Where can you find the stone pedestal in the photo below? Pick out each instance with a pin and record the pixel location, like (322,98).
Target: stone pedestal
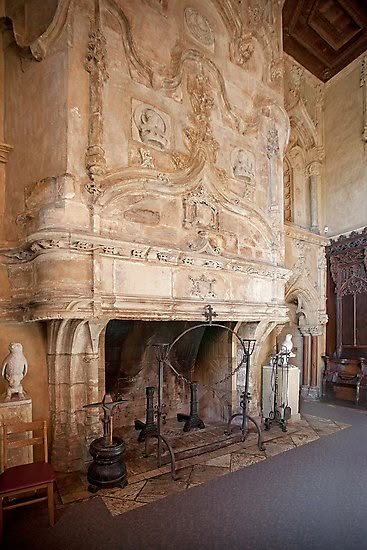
(16,410)
(288,390)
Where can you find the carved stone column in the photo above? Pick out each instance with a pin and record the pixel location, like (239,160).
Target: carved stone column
(313,170)
(314,359)
(306,361)
(73,360)
(314,389)
(310,383)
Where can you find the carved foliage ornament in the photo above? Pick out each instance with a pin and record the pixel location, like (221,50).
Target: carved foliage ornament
(243,48)
(288,194)
(202,101)
(95,64)
(96,56)
(199,27)
(272,143)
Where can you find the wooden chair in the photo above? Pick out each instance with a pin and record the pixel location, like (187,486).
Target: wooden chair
(18,480)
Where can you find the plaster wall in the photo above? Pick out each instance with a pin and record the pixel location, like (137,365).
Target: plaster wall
(345,159)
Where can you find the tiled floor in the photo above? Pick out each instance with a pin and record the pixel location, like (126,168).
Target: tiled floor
(147,483)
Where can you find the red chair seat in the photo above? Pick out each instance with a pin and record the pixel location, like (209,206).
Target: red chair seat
(26,476)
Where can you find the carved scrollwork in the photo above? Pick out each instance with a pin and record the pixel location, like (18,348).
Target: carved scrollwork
(349,272)
(205,241)
(199,27)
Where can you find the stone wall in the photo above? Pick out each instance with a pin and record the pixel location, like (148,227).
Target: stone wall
(345,146)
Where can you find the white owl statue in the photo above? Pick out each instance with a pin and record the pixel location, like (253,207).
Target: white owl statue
(286,347)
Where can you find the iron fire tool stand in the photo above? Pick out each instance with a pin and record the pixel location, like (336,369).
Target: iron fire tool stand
(248,347)
(108,468)
(280,412)
(192,420)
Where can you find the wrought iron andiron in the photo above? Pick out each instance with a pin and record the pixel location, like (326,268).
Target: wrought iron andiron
(248,347)
(192,420)
(149,427)
(108,468)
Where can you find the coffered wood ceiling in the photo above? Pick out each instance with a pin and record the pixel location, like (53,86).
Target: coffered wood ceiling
(325,35)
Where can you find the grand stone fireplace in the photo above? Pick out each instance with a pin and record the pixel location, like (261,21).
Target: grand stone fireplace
(163,195)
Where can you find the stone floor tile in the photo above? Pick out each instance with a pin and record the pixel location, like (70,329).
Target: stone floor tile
(342,425)
(202,473)
(156,489)
(254,450)
(130,492)
(244,459)
(304,437)
(182,473)
(278,446)
(116,506)
(223,461)
(72,486)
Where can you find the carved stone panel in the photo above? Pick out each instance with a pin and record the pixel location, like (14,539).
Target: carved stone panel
(243,164)
(200,210)
(151,126)
(202,287)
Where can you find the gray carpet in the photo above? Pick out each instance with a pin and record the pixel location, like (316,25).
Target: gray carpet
(311,497)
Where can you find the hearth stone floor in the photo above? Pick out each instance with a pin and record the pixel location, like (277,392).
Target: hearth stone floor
(147,483)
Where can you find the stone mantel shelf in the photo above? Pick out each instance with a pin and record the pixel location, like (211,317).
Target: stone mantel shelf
(155,310)
(66,275)
(84,243)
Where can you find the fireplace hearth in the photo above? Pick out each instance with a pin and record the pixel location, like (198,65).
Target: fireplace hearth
(167,367)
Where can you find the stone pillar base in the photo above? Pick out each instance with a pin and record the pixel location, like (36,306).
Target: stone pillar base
(11,412)
(310,392)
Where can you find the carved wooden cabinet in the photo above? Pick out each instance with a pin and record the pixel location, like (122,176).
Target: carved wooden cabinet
(346,359)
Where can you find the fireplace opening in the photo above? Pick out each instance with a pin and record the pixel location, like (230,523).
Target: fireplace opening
(203,355)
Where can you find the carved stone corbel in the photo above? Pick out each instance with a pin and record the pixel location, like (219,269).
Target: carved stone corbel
(38,48)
